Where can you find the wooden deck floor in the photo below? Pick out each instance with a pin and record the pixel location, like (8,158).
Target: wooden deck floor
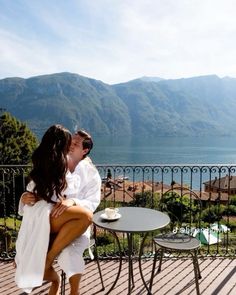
(176,277)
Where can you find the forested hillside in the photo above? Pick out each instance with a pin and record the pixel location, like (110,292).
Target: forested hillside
(147,106)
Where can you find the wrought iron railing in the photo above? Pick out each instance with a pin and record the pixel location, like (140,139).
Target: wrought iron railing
(143,185)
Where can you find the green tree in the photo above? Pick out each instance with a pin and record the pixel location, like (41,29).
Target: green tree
(178,207)
(230,210)
(182,209)
(232,200)
(213,213)
(17,141)
(145,199)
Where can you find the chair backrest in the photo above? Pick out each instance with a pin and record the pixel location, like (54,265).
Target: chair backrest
(184,208)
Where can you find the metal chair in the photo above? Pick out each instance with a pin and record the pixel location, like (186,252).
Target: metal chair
(184,208)
(94,256)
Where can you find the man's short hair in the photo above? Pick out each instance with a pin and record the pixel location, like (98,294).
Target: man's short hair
(87,140)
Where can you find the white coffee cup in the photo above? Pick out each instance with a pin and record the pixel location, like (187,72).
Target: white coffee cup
(111,212)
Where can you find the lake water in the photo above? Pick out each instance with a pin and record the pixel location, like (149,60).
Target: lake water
(165,150)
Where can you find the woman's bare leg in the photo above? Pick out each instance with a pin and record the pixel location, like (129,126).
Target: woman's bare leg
(71,224)
(74,284)
(51,276)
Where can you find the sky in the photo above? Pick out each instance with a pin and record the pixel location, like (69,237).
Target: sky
(118,40)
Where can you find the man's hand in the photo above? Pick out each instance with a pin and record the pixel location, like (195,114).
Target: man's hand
(28,198)
(61,206)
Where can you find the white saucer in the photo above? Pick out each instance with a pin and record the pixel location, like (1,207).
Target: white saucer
(117,216)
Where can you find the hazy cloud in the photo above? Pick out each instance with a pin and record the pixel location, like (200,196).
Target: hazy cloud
(118,40)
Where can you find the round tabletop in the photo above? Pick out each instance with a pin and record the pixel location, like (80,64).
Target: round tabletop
(133,220)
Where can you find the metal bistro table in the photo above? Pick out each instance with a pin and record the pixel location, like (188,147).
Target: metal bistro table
(133,220)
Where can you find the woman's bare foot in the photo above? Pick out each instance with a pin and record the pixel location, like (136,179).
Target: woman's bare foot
(51,276)
(54,289)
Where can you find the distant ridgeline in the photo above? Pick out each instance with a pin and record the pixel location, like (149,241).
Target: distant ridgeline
(195,106)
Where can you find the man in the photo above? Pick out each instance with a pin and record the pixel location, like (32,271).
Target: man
(71,258)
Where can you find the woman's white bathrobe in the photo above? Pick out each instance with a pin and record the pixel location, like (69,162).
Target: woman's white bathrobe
(32,246)
(33,238)
(84,186)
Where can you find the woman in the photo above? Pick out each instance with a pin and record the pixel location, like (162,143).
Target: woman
(51,181)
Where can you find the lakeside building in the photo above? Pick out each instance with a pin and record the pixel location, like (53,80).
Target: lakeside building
(226,184)
(121,190)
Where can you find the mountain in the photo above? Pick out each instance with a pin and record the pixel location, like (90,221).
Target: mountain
(147,106)
(68,99)
(193,106)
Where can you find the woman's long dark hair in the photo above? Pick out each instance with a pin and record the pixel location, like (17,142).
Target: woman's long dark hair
(50,163)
